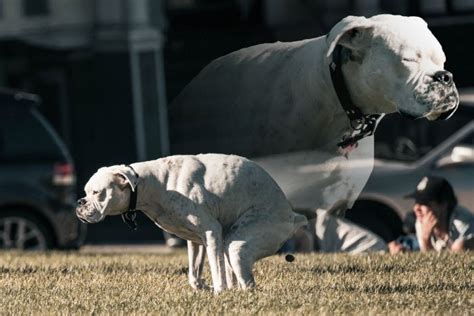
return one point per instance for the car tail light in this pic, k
(64, 174)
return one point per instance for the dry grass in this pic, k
(313, 284)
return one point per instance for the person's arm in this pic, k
(394, 247)
(427, 224)
(463, 243)
(462, 227)
(458, 245)
(425, 245)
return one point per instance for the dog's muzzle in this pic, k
(446, 115)
(80, 204)
(445, 104)
(81, 218)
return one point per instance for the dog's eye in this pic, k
(409, 60)
(95, 192)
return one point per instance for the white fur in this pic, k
(279, 98)
(227, 205)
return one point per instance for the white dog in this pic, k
(227, 204)
(323, 95)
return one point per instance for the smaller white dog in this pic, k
(227, 204)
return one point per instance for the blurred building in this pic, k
(202, 30)
(98, 66)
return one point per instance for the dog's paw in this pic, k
(198, 284)
(219, 289)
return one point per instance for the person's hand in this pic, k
(395, 247)
(419, 210)
(428, 223)
(428, 220)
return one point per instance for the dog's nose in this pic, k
(81, 202)
(445, 77)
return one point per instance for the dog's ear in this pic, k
(124, 176)
(349, 32)
(121, 181)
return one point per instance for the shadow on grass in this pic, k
(409, 288)
(114, 268)
(357, 269)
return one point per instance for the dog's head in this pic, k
(394, 63)
(107, 193)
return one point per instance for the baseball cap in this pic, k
(432, 188)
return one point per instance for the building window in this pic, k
(35, 7)
(149, 91)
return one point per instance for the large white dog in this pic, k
(320, 99)
(227, 204)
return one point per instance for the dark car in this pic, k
(37, 180)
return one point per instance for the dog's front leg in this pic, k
(215, 254)
(196, 263)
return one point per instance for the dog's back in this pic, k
(250, 97)
(227, 185)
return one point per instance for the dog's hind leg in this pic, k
(196, 256)
(254, 236)
(229, 272)
(242, 263)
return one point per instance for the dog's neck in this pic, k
(153, 184)
(362, 124)
(147, 186)
(336, 119)
(130, 214)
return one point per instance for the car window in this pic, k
(398, 138)
(464, 150)
(467, 141)
(25, 136)
(461, 153)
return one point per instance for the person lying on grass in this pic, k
(440, 222)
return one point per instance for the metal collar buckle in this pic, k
(129, 218)
(358, 124)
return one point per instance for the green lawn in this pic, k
(73, 282)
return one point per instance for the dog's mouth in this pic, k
(83, 220)
(93, 217)
(441, 105)
(444, 110)
(445, 115)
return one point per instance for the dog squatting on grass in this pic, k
(225, 206)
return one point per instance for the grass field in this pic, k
(313, 284)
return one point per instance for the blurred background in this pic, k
(96, 78)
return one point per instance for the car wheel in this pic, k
(377, 217)
(22, 230)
